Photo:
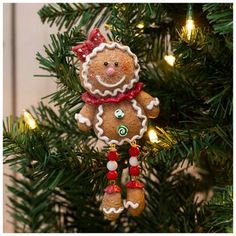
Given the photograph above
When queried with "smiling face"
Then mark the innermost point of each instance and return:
(109, 69)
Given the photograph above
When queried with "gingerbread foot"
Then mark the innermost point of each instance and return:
(135, 201)
(112, 203)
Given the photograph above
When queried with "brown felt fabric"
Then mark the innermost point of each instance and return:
(112, 200)
(136, 195)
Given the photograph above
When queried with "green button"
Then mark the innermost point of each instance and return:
(122, 130)
(119, 114)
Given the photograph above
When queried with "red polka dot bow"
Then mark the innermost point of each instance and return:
(94, 39)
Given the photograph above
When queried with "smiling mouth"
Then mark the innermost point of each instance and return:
(109, 85)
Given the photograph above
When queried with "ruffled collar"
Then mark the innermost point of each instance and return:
(128, 95)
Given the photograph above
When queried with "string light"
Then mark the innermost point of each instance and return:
(29, 120)
(169, 56)
(140, 25)
(153, 136)
(170, 59)
(190, 26)
(107, 26)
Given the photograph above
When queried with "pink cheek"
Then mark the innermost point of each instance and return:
(124, 68)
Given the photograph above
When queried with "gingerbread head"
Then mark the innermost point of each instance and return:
(109, 69)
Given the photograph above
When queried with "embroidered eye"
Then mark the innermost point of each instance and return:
(116, 63)
(105, 63)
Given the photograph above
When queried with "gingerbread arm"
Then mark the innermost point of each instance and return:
(149, 104)
(85, 117)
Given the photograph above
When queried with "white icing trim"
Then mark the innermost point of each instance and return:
(82, 119)
(100, 48)
(99, 123)
(113, 210)
(107, 140)
(154, 102)
(128, 204)
(100, 81)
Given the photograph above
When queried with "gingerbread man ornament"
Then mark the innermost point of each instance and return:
(117, 109)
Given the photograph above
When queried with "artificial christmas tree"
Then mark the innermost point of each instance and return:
(187, 164)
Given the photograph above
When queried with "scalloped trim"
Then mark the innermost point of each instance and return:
(107, 140)
(99, 123)
(154, 102)
(113, 210)
(100, 48)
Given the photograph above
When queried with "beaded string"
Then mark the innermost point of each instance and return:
(134, 169)
(112, 156)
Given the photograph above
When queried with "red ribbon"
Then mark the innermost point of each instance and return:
(82, 50)
(130, 94)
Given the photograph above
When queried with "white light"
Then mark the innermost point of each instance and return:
(170, 59)
(140, 25)
(29, 120)
(152, 136)
(189, 27)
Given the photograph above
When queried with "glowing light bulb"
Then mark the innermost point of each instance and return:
(29, 120)
(107, 26)
(140, 25)
(153, 136)
(190, 26)
(170, 59)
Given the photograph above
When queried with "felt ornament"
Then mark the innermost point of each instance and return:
(117, 109)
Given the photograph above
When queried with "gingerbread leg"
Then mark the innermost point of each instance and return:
(135, 200)
(112, 202)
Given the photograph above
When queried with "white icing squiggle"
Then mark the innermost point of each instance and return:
(154, 102)
(99, 123)
(113, 210)
(82, 119)
(107, 140)
(100, 48)
(130, 204)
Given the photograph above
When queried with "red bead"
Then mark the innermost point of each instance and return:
(134, 170)
(112, 156)
(134, 151)
(112, 175)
